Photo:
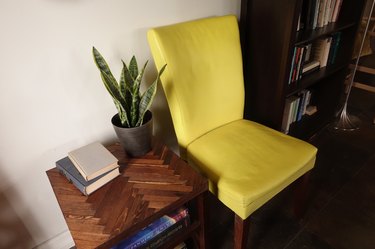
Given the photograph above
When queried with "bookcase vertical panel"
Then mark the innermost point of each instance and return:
(269, 35)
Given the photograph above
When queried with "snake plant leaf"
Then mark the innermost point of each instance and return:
(129, 81)
(147, 97)
(122, 84)
(118, 100)
(122, 113)
(138, 80)
(131, 106)
(102, 64)
(113, 90)
(111, 86)
(134, 110)
(133, 67)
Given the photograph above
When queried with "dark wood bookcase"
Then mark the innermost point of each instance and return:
(268, 36)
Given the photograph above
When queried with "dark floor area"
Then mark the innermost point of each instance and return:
(340, 211)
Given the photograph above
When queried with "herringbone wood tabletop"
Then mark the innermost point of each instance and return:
(147, 188)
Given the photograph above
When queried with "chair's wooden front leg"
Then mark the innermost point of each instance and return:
(241, 232)
(301, 193)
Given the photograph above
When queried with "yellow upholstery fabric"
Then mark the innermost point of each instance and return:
(199, 97)
(246, 163)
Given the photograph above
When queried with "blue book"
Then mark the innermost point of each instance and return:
(67, 168)
(152, 230)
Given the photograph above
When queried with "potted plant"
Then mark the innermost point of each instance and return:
(133, 122)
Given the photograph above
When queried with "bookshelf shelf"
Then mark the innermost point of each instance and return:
(276, 36)
(313, 78)
(306, 36)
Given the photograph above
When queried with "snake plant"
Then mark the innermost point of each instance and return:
(130, 103)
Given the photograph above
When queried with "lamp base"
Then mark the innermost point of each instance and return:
(347, 122)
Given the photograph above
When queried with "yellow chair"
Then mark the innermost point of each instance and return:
(246, 163)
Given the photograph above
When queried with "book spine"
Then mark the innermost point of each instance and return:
(316, 14)
(336, 47)
(336, 10)
(166, 235)
(286, 117)
(72, 179)
(327, 12)
(152, 230)
(292, 66)
(295, 64)
(301, 62)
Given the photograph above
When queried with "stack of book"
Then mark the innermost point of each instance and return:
(311, 57)
(318, 13)
(325, 49)
(156, 234)
(89, 167)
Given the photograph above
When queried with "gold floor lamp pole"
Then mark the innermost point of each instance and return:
(348, 122)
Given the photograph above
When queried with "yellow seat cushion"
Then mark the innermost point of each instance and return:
(248, 163)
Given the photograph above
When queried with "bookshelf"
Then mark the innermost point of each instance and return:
(269, 36)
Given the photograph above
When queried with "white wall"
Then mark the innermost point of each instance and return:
(52, 99)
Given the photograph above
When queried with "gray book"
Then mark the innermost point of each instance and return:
(67, 168)
(93, 160)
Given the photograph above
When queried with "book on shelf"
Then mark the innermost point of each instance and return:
(318, 13)
(327, 13)
(292, 65)
(67, 168)
(321, 13)
(299, 59)
(295, 108)
(310, 67)
(147, 234)
(93, 160)
(311, 109)
(307, 13)
(166, 235)
(321, 50)
(336, 10)
(336, 37)
(288, 109)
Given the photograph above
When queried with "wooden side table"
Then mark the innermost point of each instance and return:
(148, 188)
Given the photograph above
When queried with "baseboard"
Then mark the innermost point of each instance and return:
(61, 241)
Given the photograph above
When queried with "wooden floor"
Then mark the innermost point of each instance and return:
(341, 204)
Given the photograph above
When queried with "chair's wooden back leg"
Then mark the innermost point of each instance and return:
(301, 193)
(202, 216)
(241, 232)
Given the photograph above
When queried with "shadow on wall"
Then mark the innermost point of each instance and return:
(13, 233)
(163, 126)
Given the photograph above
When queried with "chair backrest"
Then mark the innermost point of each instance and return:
(203, 80)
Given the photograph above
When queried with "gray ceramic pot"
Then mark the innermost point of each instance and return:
(135, 141)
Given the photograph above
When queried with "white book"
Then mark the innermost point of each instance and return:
(321, 50)
(322, 8)
(327, 12)
(93, 160)
(309, 66)
(327, 47)
(316, 14)
(286, 117)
